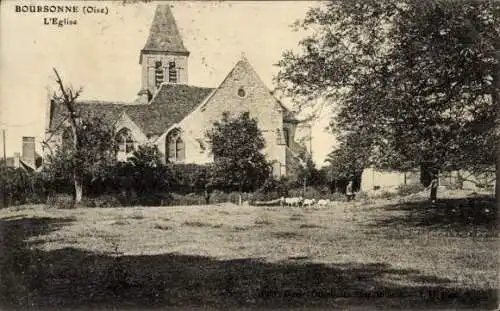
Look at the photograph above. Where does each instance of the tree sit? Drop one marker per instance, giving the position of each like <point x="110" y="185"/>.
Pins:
<point x="149" y="174"/>
<point x="91" y="144"/>
<point x="89" y="163"/>
<point x="307" y="173"/>
<point x="348" y="160"/>
<point x="237" y="145"/>
<point x="418" y="78"/>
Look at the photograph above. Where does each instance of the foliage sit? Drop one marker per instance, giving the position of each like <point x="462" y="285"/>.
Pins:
<point x="264" y="196"/>
<point x="59" y="200"/>
<point x="187" y="199"/>
<point x="19" y="186"/>
<point x="146" y="156"/>
<point x="185" y="178"/>
<point x="102" y="201"/>
<point x="309" y="173"/>
<point x="416" y="79"/>
<point x="97" y="152"/>
<point x="404" y="190"/>
<point x="66" y="97"/>
<point x="150" y="176"/>
<point x="238" y="161"/>
<point x="349" y="159"/>
<point x="280" y="186"/>
<point x="218" y="196"/>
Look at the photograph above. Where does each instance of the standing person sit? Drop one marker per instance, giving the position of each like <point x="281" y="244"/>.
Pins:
<point x="433" y="186"/>
<point x="349" y="191"/>
<point x="207" y="195"/>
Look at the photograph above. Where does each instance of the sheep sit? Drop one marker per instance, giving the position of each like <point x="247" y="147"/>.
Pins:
<point x="293" y="201"/>
<point x="309" y="202"/>
<point x="323" y="202"/>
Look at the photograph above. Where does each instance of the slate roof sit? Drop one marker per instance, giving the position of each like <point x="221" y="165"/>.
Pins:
<point x="171" y="104"/>
<point x="89" y="108"/>
<point x="164" y="36"/>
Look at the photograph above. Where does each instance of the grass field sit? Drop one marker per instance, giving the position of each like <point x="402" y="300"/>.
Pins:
<point x="363" y="255"/>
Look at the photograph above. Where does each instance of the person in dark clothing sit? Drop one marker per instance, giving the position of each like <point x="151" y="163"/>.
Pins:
<point x="207" y="195"/>
<point x="349" y="191"/>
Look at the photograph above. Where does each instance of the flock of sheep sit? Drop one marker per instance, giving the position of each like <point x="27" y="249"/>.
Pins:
<point x="300" y="201"/>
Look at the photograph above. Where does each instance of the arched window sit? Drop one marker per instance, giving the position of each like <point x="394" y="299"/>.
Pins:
<point x="158" y="73"/>
<point x="179" y="149"/>
<point x="171" y="150"/>
<point x="175" y="147"/>
<point x="172" y="72"/>
<point x="125" y="141"/>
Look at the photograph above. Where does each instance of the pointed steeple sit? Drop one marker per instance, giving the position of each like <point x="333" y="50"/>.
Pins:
<point x="164" y="58"/>
<point x="164" y="36"/>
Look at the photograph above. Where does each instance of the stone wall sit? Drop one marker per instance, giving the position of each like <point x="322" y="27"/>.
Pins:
<point x="372" y="178"/>
<point x="241" y="91"/>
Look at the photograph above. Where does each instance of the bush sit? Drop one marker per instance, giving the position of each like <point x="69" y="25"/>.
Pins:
<point x="218" y="196"/>
<point x="60" y="200"/>
<point x="337" y="196"/>
<point x="187" y="199"/>
<point x="234" y="197"/>
<point x="361" y="195"/>
<point x="236" y="143"/>
<point x="188" y="178"/>
<point x="153" y="199"/>
<point x="313" y="193"/>
<point x="20" y="187"/>
<point x="295" y="192"/>
<point x="102" y="201"/>
<point x="264" y="196"/>
<point x="325" y="190"/>
<point x="404" y="190"/>
<point x="385" y="195"/>
<point x="272" y="184"/>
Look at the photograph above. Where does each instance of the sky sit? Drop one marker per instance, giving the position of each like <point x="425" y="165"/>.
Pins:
<point x="101" y="54"/>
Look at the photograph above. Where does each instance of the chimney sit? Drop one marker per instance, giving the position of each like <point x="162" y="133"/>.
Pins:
<point x="144" y="96"/>
<point x="17" y="156"/>
<point x="29" y="150"/>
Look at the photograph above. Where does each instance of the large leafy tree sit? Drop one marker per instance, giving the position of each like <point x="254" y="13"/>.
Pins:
<point x="349" y="159"/>
<point x="90" y="145"/>
<point x="85" y="165"/>
<point x="418" y="78"/>
<point x="237" y="145"/>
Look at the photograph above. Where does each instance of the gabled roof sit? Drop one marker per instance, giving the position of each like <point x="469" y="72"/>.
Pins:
<point x="244" y="65"/>
<point x="164" y="36"/>
<point x="171" y="104"/>
<point x="87" y="109"/>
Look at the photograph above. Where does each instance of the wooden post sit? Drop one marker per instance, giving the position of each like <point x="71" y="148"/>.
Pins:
<point x="4" y="152"/>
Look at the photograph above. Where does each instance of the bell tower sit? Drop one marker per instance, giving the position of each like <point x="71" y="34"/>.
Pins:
<point x="164" y="58"/>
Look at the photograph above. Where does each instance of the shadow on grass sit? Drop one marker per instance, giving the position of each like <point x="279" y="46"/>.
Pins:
<point x="71" y="278"/>
<point x="478" y="214"/>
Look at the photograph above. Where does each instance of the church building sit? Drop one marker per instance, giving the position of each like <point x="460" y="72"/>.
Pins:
<point x="175" y="115"/>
